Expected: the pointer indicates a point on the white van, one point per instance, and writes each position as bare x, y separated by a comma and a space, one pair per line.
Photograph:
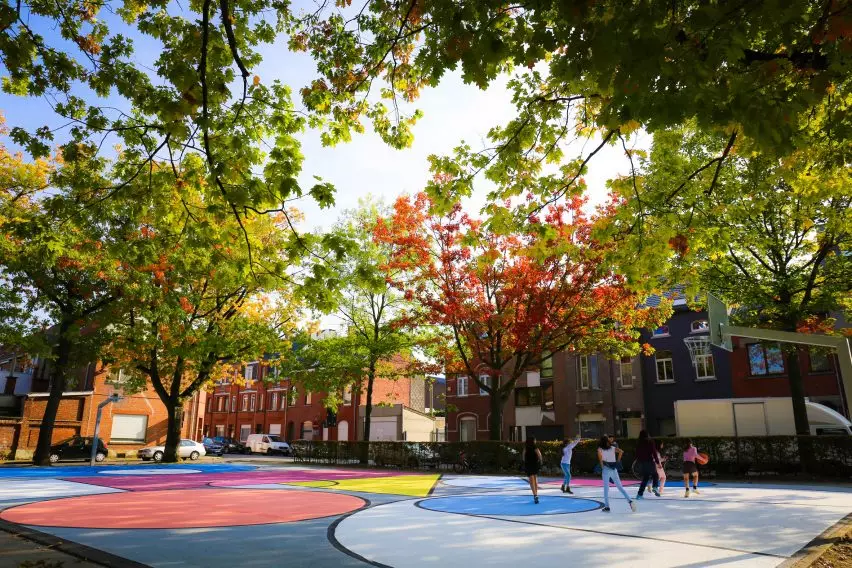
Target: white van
267, 444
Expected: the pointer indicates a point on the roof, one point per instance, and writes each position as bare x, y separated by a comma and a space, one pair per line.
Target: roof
676, 295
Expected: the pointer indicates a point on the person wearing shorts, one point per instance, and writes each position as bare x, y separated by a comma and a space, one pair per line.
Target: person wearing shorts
690, 468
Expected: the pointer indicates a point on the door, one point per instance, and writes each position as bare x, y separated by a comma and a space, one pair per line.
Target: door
634, 426
467, 429
750, 419
343, 430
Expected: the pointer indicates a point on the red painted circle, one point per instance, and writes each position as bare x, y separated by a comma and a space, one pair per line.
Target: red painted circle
187, 508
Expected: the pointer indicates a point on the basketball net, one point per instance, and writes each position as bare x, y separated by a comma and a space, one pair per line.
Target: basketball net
697, 345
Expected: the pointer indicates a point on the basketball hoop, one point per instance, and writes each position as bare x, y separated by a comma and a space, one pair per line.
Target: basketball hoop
697, 345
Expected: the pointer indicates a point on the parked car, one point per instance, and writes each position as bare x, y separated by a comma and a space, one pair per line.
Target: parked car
77, 448
213, 448
267, 444
187, 449
231, 446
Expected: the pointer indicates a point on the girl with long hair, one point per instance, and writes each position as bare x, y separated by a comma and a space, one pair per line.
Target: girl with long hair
646, 455
690, 468
608, 456
661, 469
567, 452
532, 465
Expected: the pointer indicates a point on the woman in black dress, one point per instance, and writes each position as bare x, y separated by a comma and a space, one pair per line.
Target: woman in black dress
532, 465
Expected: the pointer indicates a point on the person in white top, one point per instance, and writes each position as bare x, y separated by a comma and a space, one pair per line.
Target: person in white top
608, 456
567, 452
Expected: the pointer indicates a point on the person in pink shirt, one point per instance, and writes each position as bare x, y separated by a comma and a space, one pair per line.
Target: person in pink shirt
690, 468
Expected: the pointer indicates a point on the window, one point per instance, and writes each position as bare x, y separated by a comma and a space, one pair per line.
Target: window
665, 367
820, 362
119, 376
250, 372
187, 443
699, 326
307, 430
546, 371
461, 386
584, 372
252, 399
705, 370
233, 403
347, 395
467, 429
308, 397
765, 359
528, 396
294, 396
589, 372
128, 428
258, 428
220, 431
625, 372
210, 404
275, 429
662, 331
486, 380
273, 400
245, 430
226, 402
220, 403
547, 395
593, 429
244, 407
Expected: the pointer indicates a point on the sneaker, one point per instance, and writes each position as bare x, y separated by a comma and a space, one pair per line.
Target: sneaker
686, 494
563, 488
695, 490
633, 506
536, 500
656, 492
568, 490
605, 510
640, 497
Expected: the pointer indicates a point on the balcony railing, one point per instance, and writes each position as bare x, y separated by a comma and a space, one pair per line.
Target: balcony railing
590, 396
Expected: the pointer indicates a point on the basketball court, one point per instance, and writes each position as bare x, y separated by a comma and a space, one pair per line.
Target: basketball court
228, 515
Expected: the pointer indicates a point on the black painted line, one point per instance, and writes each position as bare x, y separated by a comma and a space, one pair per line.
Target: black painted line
71, 548
332, 537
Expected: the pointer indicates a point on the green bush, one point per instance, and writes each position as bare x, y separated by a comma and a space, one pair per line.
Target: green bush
738, 457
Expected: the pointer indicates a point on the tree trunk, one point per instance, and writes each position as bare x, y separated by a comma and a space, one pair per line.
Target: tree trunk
175, 416
368, 410
495, 421
57, 387
797, 392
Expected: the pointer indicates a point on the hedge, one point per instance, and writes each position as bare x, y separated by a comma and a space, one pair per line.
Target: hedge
826, 456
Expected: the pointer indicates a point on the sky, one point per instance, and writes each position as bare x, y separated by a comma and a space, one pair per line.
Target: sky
366, 166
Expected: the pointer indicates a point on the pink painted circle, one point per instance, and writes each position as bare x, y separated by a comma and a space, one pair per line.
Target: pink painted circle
185, 508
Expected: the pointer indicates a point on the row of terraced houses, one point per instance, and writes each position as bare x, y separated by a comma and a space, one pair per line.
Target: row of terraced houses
591, 394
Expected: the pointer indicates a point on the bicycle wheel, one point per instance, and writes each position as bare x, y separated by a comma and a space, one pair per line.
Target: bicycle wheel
458, 468
636, 469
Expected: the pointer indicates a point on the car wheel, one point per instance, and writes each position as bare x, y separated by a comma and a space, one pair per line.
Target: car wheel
194, 456
269, 451
54, 458
99, 457
158, 456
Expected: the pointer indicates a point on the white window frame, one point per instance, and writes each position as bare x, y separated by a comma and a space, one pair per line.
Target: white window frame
273, 400
703, 326
249, 372
347, 396
307, 398
621, 365
464, 419
461, 386
701, 367
667, 379
221, 401
665, 333
252, 401
244, 405
485, 379
143, 418
584, 376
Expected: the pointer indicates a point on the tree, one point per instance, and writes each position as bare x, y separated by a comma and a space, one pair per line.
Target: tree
377, 342
773, 240
195, 304
510, 301
599, 70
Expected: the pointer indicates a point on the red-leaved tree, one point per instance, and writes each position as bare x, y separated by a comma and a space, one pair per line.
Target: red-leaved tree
510, 300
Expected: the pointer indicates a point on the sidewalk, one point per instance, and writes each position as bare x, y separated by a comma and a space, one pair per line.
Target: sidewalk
18, 552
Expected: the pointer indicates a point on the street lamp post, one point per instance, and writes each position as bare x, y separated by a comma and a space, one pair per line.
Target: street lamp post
112, 398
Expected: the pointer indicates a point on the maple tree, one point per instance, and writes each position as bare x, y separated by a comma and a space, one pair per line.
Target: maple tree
376, 341
59, 283
509, 300
194, 304
772, 241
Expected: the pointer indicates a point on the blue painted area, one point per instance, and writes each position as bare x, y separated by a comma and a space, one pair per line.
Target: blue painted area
509, 505
102, 470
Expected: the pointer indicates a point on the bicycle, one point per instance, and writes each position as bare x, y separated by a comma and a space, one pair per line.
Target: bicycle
465, 465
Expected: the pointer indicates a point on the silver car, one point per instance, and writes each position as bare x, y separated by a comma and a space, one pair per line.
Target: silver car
186, 449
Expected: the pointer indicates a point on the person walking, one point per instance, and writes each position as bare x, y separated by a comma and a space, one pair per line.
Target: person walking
661, 469
690, 468
532, 465
567, 453
608, 457
646, 455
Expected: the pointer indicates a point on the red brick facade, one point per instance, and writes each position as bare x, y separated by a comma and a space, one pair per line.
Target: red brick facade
262, 405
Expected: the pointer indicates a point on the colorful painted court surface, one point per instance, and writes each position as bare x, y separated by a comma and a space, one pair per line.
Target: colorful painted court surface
224, 515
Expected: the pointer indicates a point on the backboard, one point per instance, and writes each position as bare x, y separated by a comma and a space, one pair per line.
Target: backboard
717, 316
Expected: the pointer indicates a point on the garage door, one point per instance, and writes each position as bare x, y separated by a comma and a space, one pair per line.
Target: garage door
383, 430
128, 428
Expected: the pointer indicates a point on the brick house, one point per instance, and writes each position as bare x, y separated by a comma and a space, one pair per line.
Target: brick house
262, 404
590, 394
137, 420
